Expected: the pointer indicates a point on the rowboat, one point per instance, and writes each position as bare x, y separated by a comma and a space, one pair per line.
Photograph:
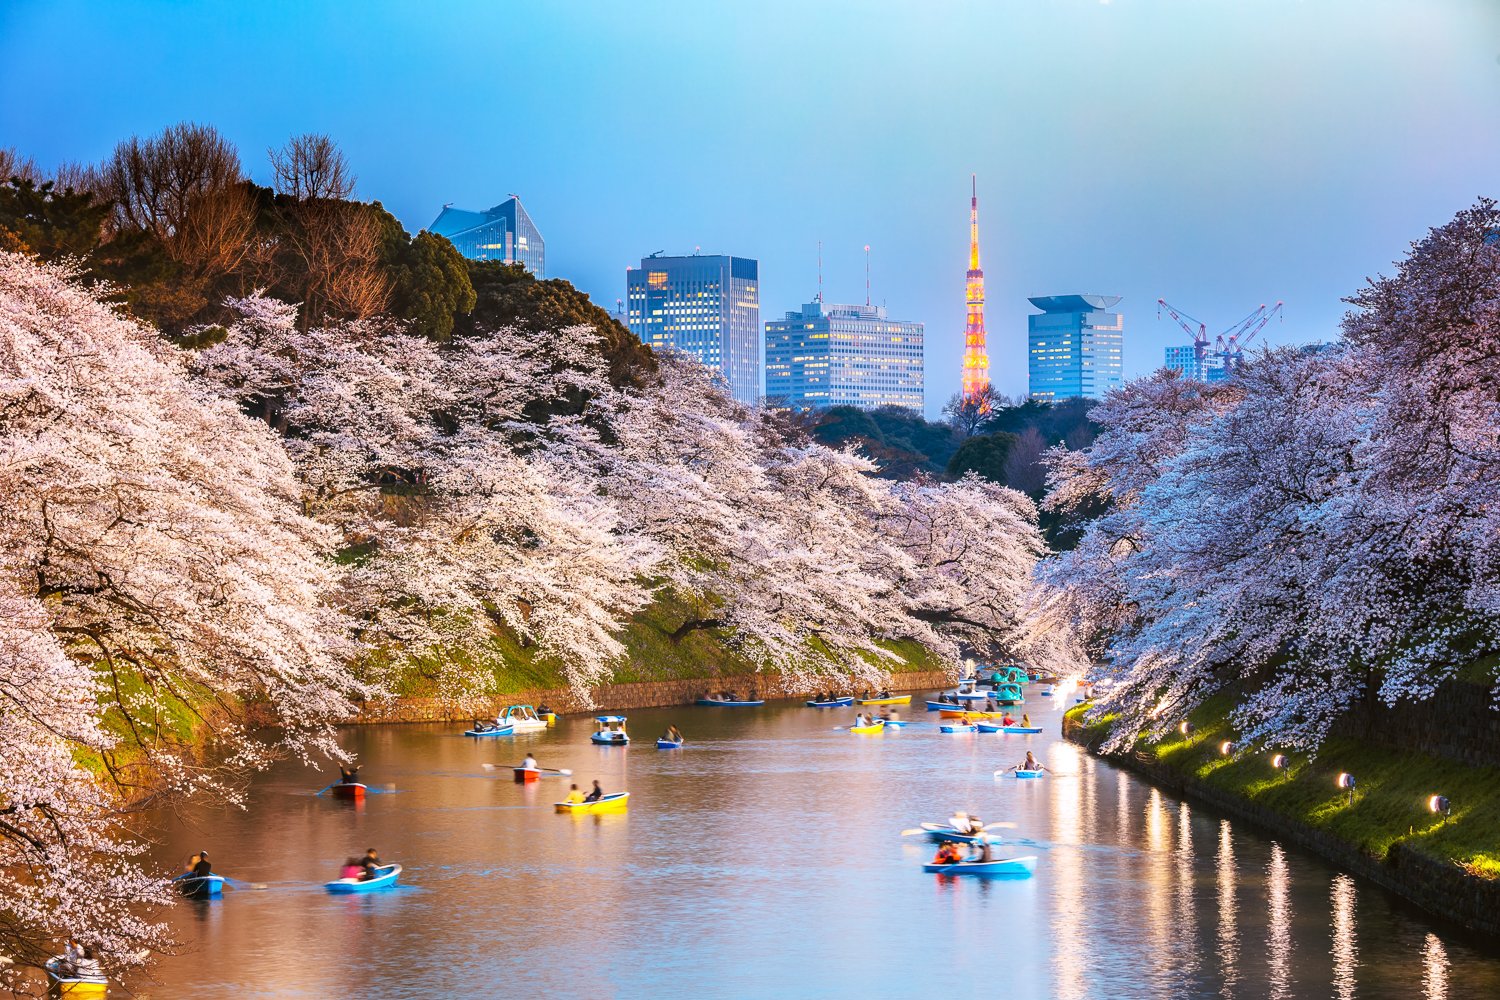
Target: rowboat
492, 731
895, 723
731, 704
1008, 866
1023, 730
614, 802
610, 731
1006, 772
352, 790
940, 832
954, 712
67, 983
904, 699
847, 699
944, 706
662, 744
958, 728
521, 718
990, 727
873, 727
385, 877
526, 775
201, 886
1048, 692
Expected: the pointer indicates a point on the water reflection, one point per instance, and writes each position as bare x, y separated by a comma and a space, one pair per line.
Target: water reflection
1345, 951
1185, 926
1434, 968
1070, 982
1278, 925
1228, 936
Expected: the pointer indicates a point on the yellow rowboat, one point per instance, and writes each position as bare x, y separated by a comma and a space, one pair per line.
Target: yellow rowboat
874, 727
615, 802
968, 716
904, 699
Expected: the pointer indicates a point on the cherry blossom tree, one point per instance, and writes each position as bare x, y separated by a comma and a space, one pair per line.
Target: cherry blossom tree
154, 564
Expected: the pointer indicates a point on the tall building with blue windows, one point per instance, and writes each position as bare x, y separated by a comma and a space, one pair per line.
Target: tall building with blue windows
838, 355
1077, 347
505, 233
707, 307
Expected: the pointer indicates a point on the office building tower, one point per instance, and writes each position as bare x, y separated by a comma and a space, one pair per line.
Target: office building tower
976, 376
505, 233
843, 355
707, 307
1184, 358
1076, 347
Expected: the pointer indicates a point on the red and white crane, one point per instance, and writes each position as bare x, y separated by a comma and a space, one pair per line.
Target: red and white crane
1229, 345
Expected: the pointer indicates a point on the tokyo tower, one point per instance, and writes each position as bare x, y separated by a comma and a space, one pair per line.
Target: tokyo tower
976, 357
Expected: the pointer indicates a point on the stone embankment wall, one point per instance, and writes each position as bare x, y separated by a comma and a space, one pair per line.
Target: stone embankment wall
1441, 888
616, 697
1458, 722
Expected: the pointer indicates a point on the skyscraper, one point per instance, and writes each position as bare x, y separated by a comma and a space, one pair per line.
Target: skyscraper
504, 233
704, 306
976, 354
838, 355
1076, 347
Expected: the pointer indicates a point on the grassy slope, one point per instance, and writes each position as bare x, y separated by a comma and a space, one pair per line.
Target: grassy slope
653, 656
1390, 802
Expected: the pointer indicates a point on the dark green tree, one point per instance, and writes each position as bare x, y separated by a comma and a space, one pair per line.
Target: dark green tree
430, 285
985, 454
51, 223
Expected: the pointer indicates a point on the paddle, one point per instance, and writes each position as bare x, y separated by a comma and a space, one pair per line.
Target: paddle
561, 772
1004, 824
235, 883
328, 786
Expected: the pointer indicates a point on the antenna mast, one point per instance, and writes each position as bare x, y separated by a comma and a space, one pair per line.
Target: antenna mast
867, 274
820, 272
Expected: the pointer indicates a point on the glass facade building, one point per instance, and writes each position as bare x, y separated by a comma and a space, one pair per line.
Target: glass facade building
837, 355
1184, 358
1077, 347
504, 233
707, 307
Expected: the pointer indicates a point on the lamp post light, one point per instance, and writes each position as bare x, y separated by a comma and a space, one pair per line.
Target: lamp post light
1440, 805
1279, 761
1225, 747
1185, 728
1346, 780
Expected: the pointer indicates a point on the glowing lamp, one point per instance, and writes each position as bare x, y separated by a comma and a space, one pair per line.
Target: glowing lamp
1185, 728
1225, 747
1440, 805
1346, 780
1279, 761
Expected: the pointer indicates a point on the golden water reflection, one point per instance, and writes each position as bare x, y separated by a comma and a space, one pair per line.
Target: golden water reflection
1228, 937
1345, 951
1279, 924
1434, 969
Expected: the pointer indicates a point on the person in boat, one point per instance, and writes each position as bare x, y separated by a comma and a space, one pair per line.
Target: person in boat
528, 762
370, 865
672, 735
596, 794
961, 823
979, 847
893, 716
1008, 720
990, 705
947, 854
1025, 721
1030, 763
78, 961
885, 692
574, 796
200, 866
351, 869
543, 710
348, 775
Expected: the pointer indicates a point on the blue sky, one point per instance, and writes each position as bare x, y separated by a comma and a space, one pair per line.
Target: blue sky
1218, 153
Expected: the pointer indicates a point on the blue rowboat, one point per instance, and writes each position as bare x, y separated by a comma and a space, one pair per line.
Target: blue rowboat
669, 744
848, 699
895, 723
940, 832
731, 704
990, 727
1024, 730
958, 728
1018, 867
939, 706
201, 886
497, 731
385, 878
610, 738
1029, 774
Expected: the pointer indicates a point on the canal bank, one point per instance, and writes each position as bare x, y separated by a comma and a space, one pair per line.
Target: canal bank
617, 697
1385, 831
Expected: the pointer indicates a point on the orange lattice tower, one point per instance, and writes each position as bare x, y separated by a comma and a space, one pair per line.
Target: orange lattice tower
976, 357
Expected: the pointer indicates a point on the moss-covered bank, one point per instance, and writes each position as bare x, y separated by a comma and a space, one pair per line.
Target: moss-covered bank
1450, 867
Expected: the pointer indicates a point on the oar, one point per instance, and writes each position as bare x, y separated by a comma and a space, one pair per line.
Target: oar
561, 772
1004, 824
235, 883
328, 786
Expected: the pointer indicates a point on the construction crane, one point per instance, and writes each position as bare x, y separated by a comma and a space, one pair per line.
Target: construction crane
1229, 345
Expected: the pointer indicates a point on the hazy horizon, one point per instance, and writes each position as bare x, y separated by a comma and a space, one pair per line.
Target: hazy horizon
1219, 154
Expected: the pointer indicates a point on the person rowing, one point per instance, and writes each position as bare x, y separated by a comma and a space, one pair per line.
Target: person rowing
1030, 764
596, 794
198, 866
673, 735
349, 775
528, 763
369, 865
947, 854
1008, 720
574, 796
979, 849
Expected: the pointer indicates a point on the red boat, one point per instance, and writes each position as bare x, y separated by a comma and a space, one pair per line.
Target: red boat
351, 790
526, 775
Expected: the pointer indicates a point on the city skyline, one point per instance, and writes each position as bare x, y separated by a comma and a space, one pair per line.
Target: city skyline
1215, 154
